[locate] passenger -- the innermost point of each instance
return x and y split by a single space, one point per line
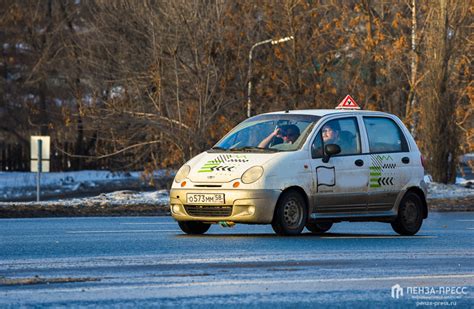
288 133
330 133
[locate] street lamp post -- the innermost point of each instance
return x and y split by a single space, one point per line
249 89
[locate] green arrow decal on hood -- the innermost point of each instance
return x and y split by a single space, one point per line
220 163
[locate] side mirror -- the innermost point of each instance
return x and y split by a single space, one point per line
330 150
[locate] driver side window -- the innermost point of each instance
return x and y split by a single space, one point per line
343 132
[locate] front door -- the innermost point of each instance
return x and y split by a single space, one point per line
340 184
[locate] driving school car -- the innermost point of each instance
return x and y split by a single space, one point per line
340 165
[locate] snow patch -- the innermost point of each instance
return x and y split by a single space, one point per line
443 191
22 185
114 199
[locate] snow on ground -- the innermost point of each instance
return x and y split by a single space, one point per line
22 185
462 189
469 183
125 197
26 179
442 191
118 198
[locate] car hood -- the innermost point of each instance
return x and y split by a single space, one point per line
224 167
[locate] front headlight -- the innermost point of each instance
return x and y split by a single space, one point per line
252 174
182 173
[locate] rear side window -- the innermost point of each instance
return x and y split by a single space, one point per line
384 135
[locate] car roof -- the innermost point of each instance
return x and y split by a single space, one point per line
326 112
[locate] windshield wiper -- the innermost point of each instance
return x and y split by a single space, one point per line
250 148
219 148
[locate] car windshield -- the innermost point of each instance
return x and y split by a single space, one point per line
268 133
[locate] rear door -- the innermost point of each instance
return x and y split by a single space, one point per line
389 163
340 184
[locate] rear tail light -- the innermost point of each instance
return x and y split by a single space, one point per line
422 161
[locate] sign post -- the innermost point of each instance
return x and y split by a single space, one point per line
38 174
39 159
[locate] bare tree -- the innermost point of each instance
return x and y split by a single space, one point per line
442 90
152 83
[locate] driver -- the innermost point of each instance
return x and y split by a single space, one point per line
288 133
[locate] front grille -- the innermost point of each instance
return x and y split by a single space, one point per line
208 211
208 186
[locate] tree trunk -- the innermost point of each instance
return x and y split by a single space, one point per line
439 111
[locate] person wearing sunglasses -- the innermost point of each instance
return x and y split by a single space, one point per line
288 133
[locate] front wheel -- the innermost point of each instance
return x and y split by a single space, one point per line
194 227
318 227
290 214
410 215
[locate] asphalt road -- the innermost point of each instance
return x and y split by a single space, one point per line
148 262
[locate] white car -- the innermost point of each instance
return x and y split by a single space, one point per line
306 168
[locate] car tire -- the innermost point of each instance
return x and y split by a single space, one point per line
410 215
194 227
318 227
290 214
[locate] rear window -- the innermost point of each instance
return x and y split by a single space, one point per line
384 135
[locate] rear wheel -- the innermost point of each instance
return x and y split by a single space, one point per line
318 227
290 214
410 215
194 227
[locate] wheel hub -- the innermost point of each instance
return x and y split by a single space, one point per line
292 213
410 214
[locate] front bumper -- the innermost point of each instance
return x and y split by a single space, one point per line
243 205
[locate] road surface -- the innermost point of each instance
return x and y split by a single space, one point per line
149 262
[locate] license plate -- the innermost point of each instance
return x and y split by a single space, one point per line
205 198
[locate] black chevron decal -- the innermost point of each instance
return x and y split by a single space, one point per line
385 181
389 165
238 160
222 168
228 158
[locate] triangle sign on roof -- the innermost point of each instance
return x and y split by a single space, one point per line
348 103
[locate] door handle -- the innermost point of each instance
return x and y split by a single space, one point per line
359 162
406 160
